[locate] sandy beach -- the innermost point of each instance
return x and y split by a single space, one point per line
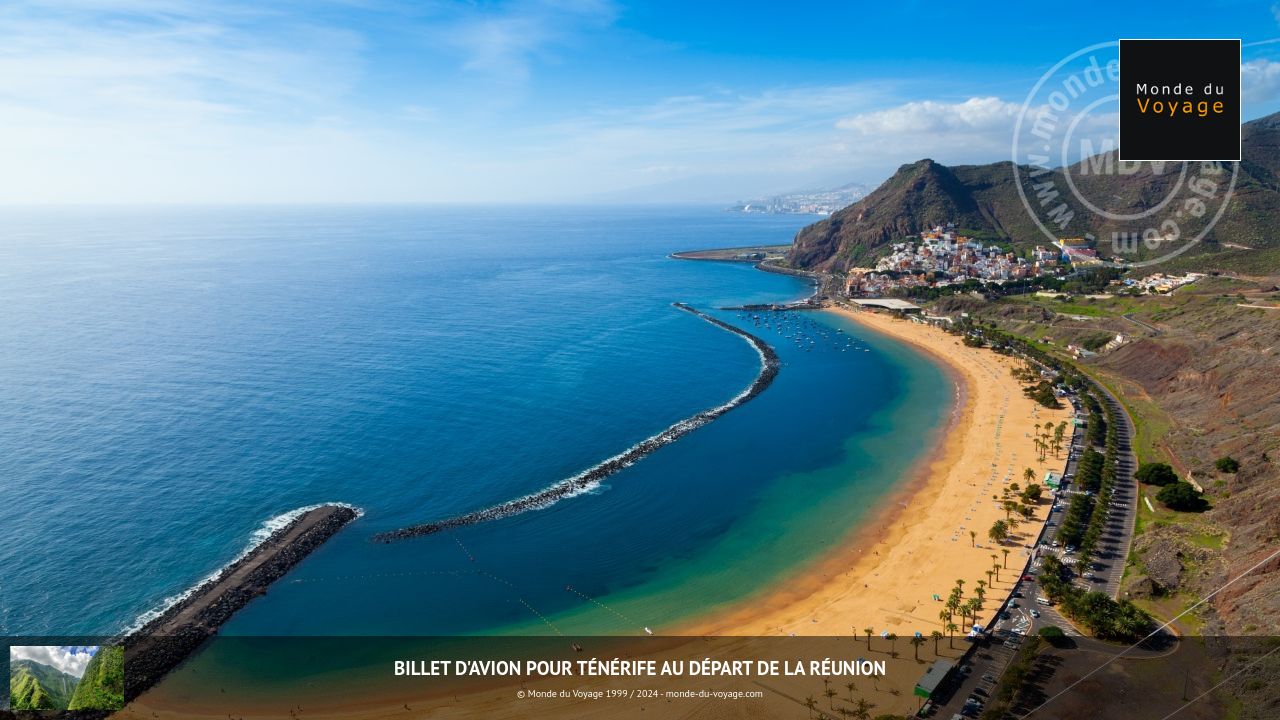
885 576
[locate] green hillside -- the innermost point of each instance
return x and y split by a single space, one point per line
102 687
35 686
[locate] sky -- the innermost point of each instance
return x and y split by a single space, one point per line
545 101
70 659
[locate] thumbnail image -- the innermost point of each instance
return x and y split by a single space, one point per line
66 677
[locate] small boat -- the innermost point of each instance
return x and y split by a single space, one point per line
648 631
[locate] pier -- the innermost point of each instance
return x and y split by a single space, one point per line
156 648
591 477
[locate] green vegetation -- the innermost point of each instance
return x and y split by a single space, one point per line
102 687
1227 464
36 686
1182 496
1089 472
1156 473
1042 392
1076 519
1054 635
1031 495
1104 617
999 531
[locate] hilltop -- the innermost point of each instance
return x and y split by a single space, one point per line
983 201
36 686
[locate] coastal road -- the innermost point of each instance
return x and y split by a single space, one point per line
1117 537
1108 564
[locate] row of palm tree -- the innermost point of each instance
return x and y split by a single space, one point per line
1050 438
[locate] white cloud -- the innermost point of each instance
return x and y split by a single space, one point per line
1259 81
978 114
69 659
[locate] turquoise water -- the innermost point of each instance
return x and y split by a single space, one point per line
174 378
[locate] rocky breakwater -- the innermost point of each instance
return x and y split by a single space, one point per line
164 642
591 477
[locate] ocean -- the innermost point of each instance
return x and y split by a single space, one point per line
176 380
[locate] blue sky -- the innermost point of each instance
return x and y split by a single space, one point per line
137 101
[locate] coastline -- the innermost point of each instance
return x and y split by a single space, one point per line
882 575
899 564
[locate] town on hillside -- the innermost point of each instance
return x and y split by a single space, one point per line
942 257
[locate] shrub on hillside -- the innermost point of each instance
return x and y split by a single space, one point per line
1227 464
1181 496
1156 474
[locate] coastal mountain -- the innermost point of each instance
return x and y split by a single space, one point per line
102 687
984 201
36 686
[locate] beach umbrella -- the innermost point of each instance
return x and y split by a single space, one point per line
884 634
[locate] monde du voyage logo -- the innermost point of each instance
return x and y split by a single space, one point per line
1126 153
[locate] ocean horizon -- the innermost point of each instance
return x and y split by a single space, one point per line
181 379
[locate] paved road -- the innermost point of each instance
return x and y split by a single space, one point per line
1117 537
1154 330
1107 566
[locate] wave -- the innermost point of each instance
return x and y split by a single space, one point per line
268 528
589 479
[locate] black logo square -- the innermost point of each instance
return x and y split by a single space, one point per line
1180 100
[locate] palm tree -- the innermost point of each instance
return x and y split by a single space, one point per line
916 641
999 531
989 574
850 686
996 568
944 616
973 538
893 645
810 703
1029 474
936 637
951 629
1006 556
831 695
868 631
863 709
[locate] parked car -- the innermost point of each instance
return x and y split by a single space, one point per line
1035 613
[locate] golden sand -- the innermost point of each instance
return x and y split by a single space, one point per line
886 577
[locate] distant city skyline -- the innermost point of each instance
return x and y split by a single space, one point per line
549 101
